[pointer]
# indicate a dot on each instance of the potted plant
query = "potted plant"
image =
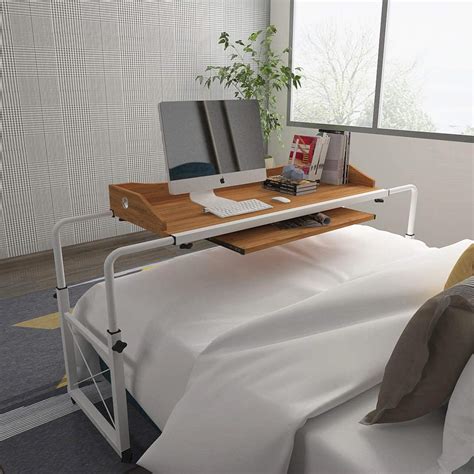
(258, 72)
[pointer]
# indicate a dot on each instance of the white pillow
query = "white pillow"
(458, 434)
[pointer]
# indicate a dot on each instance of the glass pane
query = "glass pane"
(428, 75)
(336, 44)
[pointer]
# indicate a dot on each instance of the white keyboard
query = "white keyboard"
(240, 207)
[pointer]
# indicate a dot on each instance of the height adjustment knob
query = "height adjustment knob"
(119, 346)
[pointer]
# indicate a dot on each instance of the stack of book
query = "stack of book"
(288, 186)
(336, 166)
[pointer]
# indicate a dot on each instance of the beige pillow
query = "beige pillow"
(463, 269)
(428, 358)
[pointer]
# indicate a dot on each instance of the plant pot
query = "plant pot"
(269, 162)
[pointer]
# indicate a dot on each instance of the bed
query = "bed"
(203, 297)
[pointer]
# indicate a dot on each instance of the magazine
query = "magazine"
(309, 153)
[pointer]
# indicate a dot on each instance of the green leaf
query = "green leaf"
(224, 39)
(271, 30)
(254, 36)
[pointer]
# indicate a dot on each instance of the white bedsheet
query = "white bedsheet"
(169, 315)
(335, 442)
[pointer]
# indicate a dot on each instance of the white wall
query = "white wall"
(442, 170)
(81, 82)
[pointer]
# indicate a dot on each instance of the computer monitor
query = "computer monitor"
(211, 144)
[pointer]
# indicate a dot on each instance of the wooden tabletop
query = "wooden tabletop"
(183, 215)
(152, 207)
(180, 214)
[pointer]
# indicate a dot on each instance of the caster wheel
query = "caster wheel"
(127, 456)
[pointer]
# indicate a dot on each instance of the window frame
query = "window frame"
(374, 129)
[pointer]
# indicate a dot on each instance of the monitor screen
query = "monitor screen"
(211, 137)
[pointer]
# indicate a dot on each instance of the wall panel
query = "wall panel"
(81, 84)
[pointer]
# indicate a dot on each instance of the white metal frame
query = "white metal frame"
(116, 430)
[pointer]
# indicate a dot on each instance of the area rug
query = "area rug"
(33, 382)
(30, 344)
(30, 348)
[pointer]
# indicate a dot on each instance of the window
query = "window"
(399, 67)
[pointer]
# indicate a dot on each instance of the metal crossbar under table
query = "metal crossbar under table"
(115, 427)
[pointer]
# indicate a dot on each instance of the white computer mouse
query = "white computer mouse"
(281, 199)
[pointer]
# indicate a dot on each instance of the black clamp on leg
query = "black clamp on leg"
(186, 246)
(119, 346)
(55, 295)
(379, 200)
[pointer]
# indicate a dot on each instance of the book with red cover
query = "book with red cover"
(302, 152)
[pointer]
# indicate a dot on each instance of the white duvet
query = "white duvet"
(277, 337)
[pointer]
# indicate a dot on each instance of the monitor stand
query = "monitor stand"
(208, 199)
